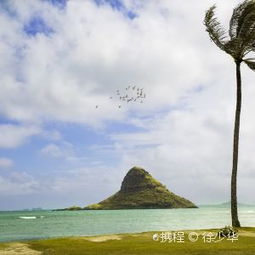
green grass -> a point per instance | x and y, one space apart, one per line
3 245
137 244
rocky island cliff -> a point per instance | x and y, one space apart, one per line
139 190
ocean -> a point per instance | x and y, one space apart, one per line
23 225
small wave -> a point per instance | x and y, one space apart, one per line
27 217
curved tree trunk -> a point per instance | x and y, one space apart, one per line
234 213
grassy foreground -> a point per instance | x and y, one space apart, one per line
133 244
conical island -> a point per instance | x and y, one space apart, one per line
139 190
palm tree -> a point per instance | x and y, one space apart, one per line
239 42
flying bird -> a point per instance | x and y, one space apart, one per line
130 94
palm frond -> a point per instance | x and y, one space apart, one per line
245 18
239 14
250 64
242 27
234 48
248 49
214 28
247 30
241 40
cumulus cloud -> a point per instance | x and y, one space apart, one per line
14 135
77 58
65 150
5 163
18 183
52 150
95 50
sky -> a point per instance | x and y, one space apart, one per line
67 139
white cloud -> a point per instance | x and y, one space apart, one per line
14 135
65 150
96 51
52 135
190 149
52 150
5 163
187 120
18 183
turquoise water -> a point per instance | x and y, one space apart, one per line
45 224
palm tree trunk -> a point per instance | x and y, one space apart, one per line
234 213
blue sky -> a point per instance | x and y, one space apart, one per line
119 6
37 25
66 137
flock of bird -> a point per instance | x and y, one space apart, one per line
130 94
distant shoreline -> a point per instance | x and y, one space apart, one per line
224 204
